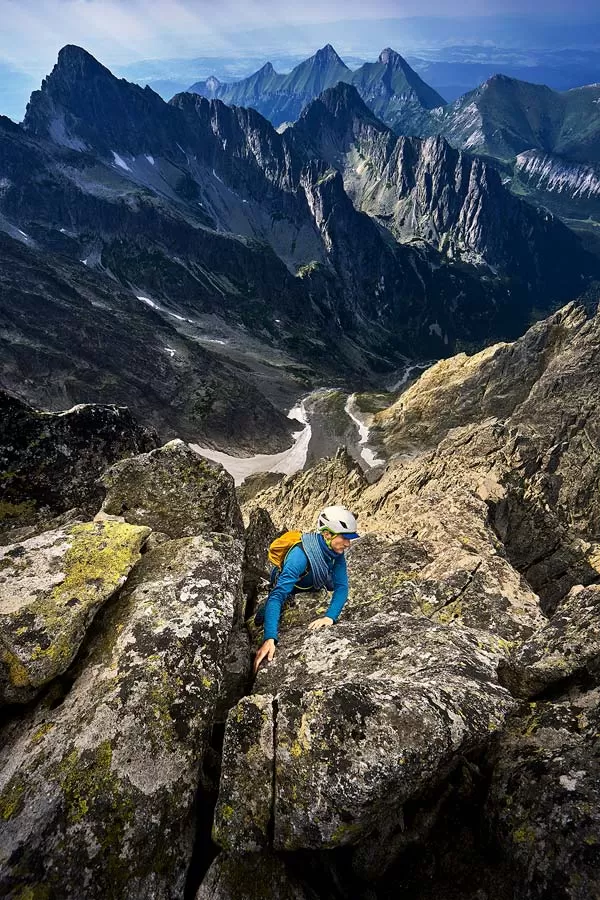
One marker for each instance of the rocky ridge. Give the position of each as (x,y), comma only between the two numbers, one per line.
(457,695)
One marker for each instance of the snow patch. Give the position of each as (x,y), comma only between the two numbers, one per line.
(149,302)
(150,159)
(285,463)
(436,329)
(408,374)
(170,351)
(368,455)
(217,177)
(119,161)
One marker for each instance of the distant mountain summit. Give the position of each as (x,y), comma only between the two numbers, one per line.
(395,93)
(547,142)
(82,105)
(389,86)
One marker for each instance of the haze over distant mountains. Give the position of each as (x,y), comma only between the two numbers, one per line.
(207,264)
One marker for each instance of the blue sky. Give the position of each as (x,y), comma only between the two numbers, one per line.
(121,31)
(126,34)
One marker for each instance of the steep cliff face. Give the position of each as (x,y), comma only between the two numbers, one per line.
(505,117)
(426,190)
(545,141)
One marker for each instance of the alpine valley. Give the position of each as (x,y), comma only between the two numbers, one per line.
(188,260)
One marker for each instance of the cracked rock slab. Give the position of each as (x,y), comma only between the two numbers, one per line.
(244,807)
(367,716)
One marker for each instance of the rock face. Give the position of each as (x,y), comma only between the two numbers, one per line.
(99,775)
(51,587)
(97,794)
(543,802)
(425,189)
(253,877)
(174,491)
(490,481)
(51,462)
(568,646)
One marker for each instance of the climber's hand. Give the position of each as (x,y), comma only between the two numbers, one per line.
(323,622)
(267,651)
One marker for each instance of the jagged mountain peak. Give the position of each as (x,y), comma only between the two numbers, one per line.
(74,60)
(267,69)
(344,97)
(327,54)
(338,105)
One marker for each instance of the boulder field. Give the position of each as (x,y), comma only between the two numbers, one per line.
(441,740)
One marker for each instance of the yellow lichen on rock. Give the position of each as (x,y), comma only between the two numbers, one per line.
(61,581)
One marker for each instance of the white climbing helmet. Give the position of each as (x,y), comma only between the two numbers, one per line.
(339,520)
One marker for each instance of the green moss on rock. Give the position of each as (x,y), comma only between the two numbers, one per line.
(11,798)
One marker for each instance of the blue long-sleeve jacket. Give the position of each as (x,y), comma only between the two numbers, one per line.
(294,574)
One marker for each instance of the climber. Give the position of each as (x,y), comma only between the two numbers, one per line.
(315,561)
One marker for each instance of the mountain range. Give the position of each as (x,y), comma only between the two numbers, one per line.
(209,266)
(546,143)
(390,87)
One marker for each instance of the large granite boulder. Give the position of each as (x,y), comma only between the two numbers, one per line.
(97,786)
(350,722)
(51,462)
(51,587)
(175,491)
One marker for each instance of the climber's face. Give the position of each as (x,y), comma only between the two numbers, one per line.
(339,543)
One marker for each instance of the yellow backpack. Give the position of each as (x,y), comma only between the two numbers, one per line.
(281,546)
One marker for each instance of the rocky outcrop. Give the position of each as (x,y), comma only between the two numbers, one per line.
(173,490)
(97,792)
(51,462)
(567,647)
(51,587)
